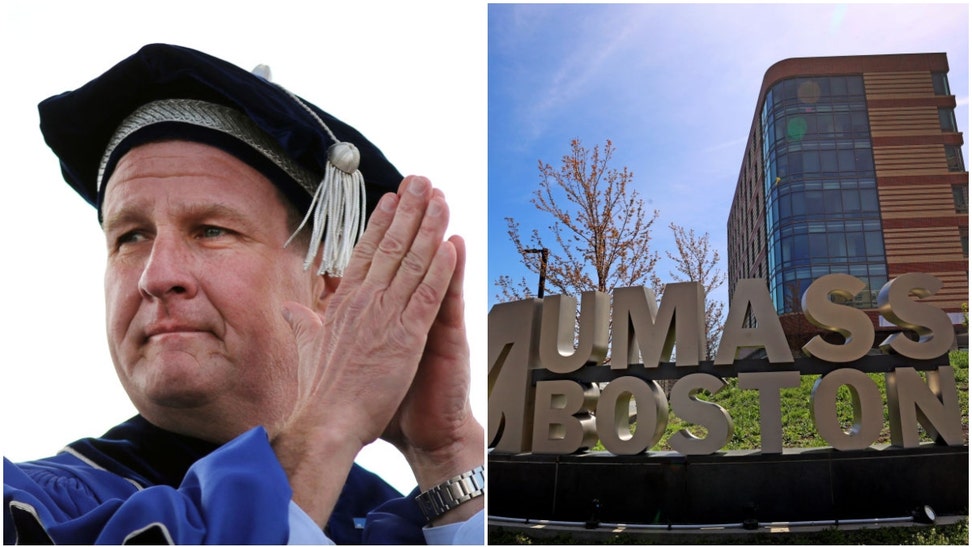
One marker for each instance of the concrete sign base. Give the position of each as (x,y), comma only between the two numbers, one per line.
(730,488)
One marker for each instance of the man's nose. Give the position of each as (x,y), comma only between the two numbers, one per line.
(168,271)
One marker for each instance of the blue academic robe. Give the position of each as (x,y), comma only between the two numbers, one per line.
(142,484)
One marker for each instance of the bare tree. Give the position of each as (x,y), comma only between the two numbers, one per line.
(695,260)
(600,227)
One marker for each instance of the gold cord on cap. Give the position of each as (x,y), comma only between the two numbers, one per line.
(338,205)
(211,116)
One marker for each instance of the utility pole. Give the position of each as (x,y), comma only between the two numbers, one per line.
(544,253)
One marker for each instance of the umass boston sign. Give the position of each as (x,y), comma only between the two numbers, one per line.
(551,398)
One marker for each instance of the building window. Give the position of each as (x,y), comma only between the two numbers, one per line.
(953,155)
(960,192)
(940,83)
(946,117)
(820,196)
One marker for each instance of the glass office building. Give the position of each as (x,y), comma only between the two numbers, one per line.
(853,165)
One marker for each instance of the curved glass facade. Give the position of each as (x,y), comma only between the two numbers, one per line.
(822,212)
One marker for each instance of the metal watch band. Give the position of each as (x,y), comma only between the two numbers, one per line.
(452,493)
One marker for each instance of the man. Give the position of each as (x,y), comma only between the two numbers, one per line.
(261,354)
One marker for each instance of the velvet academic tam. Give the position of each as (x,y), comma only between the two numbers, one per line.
(79,124)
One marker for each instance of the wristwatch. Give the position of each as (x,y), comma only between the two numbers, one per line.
(452,493)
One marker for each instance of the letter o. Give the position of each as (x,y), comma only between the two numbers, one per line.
(865,400)
(612,415)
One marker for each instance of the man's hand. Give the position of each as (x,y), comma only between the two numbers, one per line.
(435,428)
(359,357)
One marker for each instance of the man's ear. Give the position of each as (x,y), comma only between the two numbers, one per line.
(324,287)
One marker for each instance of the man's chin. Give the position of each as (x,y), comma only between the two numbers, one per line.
(178,380)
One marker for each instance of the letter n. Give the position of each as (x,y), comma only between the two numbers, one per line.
(933,405)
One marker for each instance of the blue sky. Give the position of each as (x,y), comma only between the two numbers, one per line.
(675,87)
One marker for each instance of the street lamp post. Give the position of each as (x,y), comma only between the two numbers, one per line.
(544,253)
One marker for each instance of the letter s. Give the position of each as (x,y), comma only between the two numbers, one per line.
(851,323)
(935,332)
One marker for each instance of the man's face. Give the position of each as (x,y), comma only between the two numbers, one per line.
(194,285)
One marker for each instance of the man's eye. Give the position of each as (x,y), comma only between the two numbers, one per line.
(212,231)
(130,237)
